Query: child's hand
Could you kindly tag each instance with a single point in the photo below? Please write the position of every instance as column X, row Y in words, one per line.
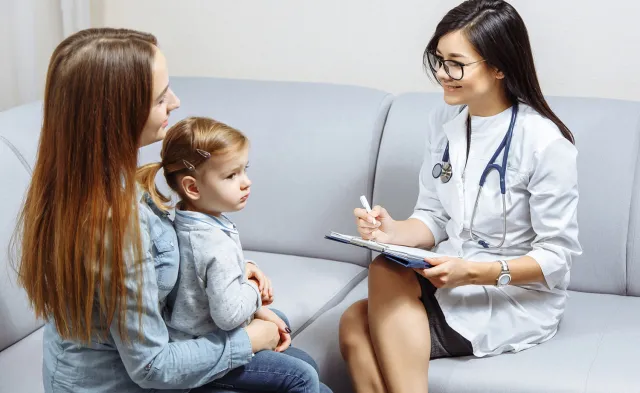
column 285, row 333
column 264, row 335
column 264, row 283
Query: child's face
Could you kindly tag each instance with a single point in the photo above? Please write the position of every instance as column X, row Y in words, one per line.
column 223, row 184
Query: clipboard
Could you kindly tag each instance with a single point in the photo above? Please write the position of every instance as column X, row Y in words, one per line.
column 405, row 256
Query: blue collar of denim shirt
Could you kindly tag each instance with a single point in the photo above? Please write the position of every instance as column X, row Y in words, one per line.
column 143, row 196
column 190, row 217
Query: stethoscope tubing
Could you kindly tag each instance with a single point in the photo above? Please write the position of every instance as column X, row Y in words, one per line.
column 443, row 171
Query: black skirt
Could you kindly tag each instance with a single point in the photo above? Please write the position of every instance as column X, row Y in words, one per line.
column 445, row 342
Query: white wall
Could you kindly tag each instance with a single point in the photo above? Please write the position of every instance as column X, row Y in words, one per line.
column 582, row 47
column 29, row 32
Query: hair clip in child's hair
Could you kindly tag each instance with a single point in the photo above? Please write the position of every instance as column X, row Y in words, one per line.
column 188, row 165
column 203, row 153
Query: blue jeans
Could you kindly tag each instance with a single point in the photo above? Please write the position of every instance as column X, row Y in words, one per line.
column 292, row 371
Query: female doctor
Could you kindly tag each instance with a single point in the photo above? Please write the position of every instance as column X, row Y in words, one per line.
column 498, row 196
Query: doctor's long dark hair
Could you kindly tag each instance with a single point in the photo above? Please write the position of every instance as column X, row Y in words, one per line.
column 500, row 36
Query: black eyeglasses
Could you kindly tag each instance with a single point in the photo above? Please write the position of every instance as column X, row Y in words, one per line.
column 454, row 69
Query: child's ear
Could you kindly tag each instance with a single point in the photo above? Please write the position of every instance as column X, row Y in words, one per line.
column 499, row 74
column 190, row 188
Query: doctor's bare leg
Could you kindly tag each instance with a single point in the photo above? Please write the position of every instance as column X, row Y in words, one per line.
column 398, row 329
column 357, row 349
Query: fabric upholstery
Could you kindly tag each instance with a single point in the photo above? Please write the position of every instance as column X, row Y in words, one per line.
column 306, row 287
column 21, row 365
column 313, row 152
column 16, row 317
column 593, row 351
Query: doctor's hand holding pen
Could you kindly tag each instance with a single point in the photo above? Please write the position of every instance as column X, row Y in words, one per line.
column 374, row 224
column 446, row 272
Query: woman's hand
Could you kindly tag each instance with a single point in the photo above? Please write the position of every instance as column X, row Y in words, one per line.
column 263, row 335
column 285, row 333
column 253, row 272
column 382, row 231
column 447, row 272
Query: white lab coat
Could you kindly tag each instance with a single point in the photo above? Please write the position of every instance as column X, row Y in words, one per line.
column 541, row 200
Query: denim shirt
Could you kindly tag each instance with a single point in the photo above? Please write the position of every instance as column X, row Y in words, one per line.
column 213, row 293
column 150, row 362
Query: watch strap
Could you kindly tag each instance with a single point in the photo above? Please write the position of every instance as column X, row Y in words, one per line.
column 505, row 266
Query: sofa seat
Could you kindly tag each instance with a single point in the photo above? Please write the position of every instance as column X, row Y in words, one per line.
column 594, row 351
column 304, row 288
column 21, row 365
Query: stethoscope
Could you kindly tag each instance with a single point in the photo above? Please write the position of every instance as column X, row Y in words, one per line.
column 444, row 172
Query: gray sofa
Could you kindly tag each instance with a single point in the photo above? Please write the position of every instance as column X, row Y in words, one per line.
column 315, row 149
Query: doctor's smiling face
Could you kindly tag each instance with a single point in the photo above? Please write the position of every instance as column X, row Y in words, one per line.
column 481, row 55
column 465, row 76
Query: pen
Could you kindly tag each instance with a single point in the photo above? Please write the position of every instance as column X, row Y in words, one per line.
column 365, row 204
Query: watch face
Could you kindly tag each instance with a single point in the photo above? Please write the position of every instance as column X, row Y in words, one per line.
column 504, row 279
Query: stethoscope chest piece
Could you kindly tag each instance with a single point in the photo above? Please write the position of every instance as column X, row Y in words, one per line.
column 442, row 171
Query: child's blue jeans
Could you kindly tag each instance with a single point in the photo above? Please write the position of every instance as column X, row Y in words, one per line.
column 292, row 371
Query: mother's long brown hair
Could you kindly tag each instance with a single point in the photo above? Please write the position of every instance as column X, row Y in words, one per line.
column 78, row 229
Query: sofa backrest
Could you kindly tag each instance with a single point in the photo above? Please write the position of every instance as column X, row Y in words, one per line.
column 313, row 153
column 633, row 237
column 20, row 126
column 331, row 135
column 607, row 137
column 607, row 134
column 16, row 318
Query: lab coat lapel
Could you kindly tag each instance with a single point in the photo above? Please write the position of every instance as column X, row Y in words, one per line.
column 456, row 130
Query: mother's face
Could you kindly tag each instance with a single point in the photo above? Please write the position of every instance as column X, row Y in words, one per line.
column 163, row 102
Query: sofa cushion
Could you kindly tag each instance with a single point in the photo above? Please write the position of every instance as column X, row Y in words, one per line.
column 21, row 365
column 402, row 152
column 20, row 126
column 595, row 351
column 306, row 287
column 320, row 340
column 607, row 136
column 606, row 130
column 313, row 152
column 633, row 238
column 16, row 317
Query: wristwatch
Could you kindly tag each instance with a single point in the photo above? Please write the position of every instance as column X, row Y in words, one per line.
column 505, row 275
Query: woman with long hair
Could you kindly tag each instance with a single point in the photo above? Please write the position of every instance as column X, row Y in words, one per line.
column 97, row 257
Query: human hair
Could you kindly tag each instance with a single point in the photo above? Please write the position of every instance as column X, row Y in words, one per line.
column 78, row 229
column 499, row 35
column 188, row 144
